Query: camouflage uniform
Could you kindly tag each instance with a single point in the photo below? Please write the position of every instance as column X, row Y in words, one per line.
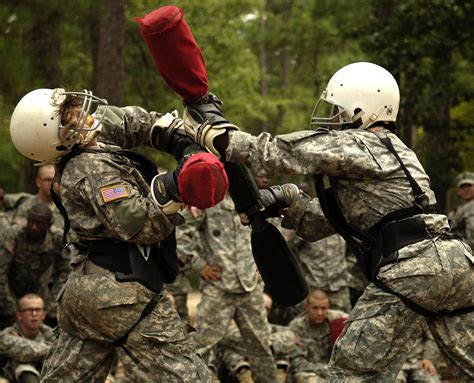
column 314, row 345
column 24, row 354
column 225, row 243
column 21, row 211
column 234, row 356
column 424, row 348
column 324, row 264
column 94, row 309
column 368, row 183
column 463, row 220
column 40, row 268
column 181, row 286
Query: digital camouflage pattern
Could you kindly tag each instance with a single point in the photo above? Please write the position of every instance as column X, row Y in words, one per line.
column 20, row 212
column 224, row 242
column 94, row 309
column 424, row 348
column 325, row 268
column 24, row 353
column 313, row 344
column 38, row 267
column 234, row 356
column 181, row 286
column 463, row 220
column 369, row 183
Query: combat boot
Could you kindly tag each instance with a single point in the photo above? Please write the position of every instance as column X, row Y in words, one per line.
column 244, row 375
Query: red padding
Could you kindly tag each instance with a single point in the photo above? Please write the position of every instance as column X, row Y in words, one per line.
column 336, row 326
column 202, row 181
column 175, row 52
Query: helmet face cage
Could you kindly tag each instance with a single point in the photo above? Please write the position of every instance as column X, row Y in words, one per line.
column 89, row 101
column 337, row 116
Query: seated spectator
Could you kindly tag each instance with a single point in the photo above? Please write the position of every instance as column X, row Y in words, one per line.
column 324, row 264
column 232, row 354
column 43, row 181
column 420, row 365
column 38, row 262
column 316, row 332
column 26, row 343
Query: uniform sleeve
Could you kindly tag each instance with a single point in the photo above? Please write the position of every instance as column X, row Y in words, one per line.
column 21, row 349
column 127, row 127
column 62, row 266
column 123, row 207
column 306, row 218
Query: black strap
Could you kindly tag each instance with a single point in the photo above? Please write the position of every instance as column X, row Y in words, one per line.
column 354, row 237
column 146, row 311
column 421, row 310
column 144, row 165
column 421, row 199
column 60, row 165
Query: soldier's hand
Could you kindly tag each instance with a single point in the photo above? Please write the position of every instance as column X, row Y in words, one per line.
column 277, row 199
column 206, row 125
column 165, row 192
column 211, row 273
column 168, row 135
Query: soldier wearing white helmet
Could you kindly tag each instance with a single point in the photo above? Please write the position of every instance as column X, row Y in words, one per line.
column 381, row 202
column 123, row 215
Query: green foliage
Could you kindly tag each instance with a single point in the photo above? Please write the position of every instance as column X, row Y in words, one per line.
column 290, row 46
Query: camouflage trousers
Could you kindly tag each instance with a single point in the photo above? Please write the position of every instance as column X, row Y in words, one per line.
column 94, row 311
column 218, row 308
column 381, row 329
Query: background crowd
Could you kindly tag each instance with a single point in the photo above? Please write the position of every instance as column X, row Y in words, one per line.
column 242, row 335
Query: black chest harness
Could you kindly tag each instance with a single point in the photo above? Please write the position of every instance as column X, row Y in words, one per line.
column 379, row 245
column 161, row 264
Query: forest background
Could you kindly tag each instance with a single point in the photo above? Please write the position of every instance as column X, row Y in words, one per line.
column 268, row 60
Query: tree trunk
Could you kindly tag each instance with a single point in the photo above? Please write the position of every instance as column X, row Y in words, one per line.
column 42, row 46
column 263, row 61
column 109, row 63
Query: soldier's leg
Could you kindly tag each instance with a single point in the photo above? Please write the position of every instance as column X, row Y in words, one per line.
column 374, row 343
column 455, row 339
column 455, row 334
column 251, row 320
column 214, row 313
column 75, row 360
column 158, row 349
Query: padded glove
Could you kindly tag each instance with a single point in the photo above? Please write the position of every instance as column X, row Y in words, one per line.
column 168, row 135
column 204, row 121
column 277, row 198
column 165, row 192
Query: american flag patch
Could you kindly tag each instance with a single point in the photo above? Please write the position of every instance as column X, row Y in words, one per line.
column 114, row 192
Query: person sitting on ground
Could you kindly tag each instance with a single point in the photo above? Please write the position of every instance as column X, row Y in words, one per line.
column 26, row 343
column 316, row 332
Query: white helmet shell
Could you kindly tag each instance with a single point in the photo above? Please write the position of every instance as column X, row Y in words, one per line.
column 360, row 90
column 34, row 125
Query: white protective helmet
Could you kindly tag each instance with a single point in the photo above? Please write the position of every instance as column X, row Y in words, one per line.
column 36, row 129
column 361, row 90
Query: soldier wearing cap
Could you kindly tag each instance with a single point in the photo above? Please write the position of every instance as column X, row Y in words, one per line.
column 463, row 216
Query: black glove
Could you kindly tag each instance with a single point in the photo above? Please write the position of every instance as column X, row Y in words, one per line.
column 206, row 125
column 277, row 198
column 168, row 135
column 165, row 191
